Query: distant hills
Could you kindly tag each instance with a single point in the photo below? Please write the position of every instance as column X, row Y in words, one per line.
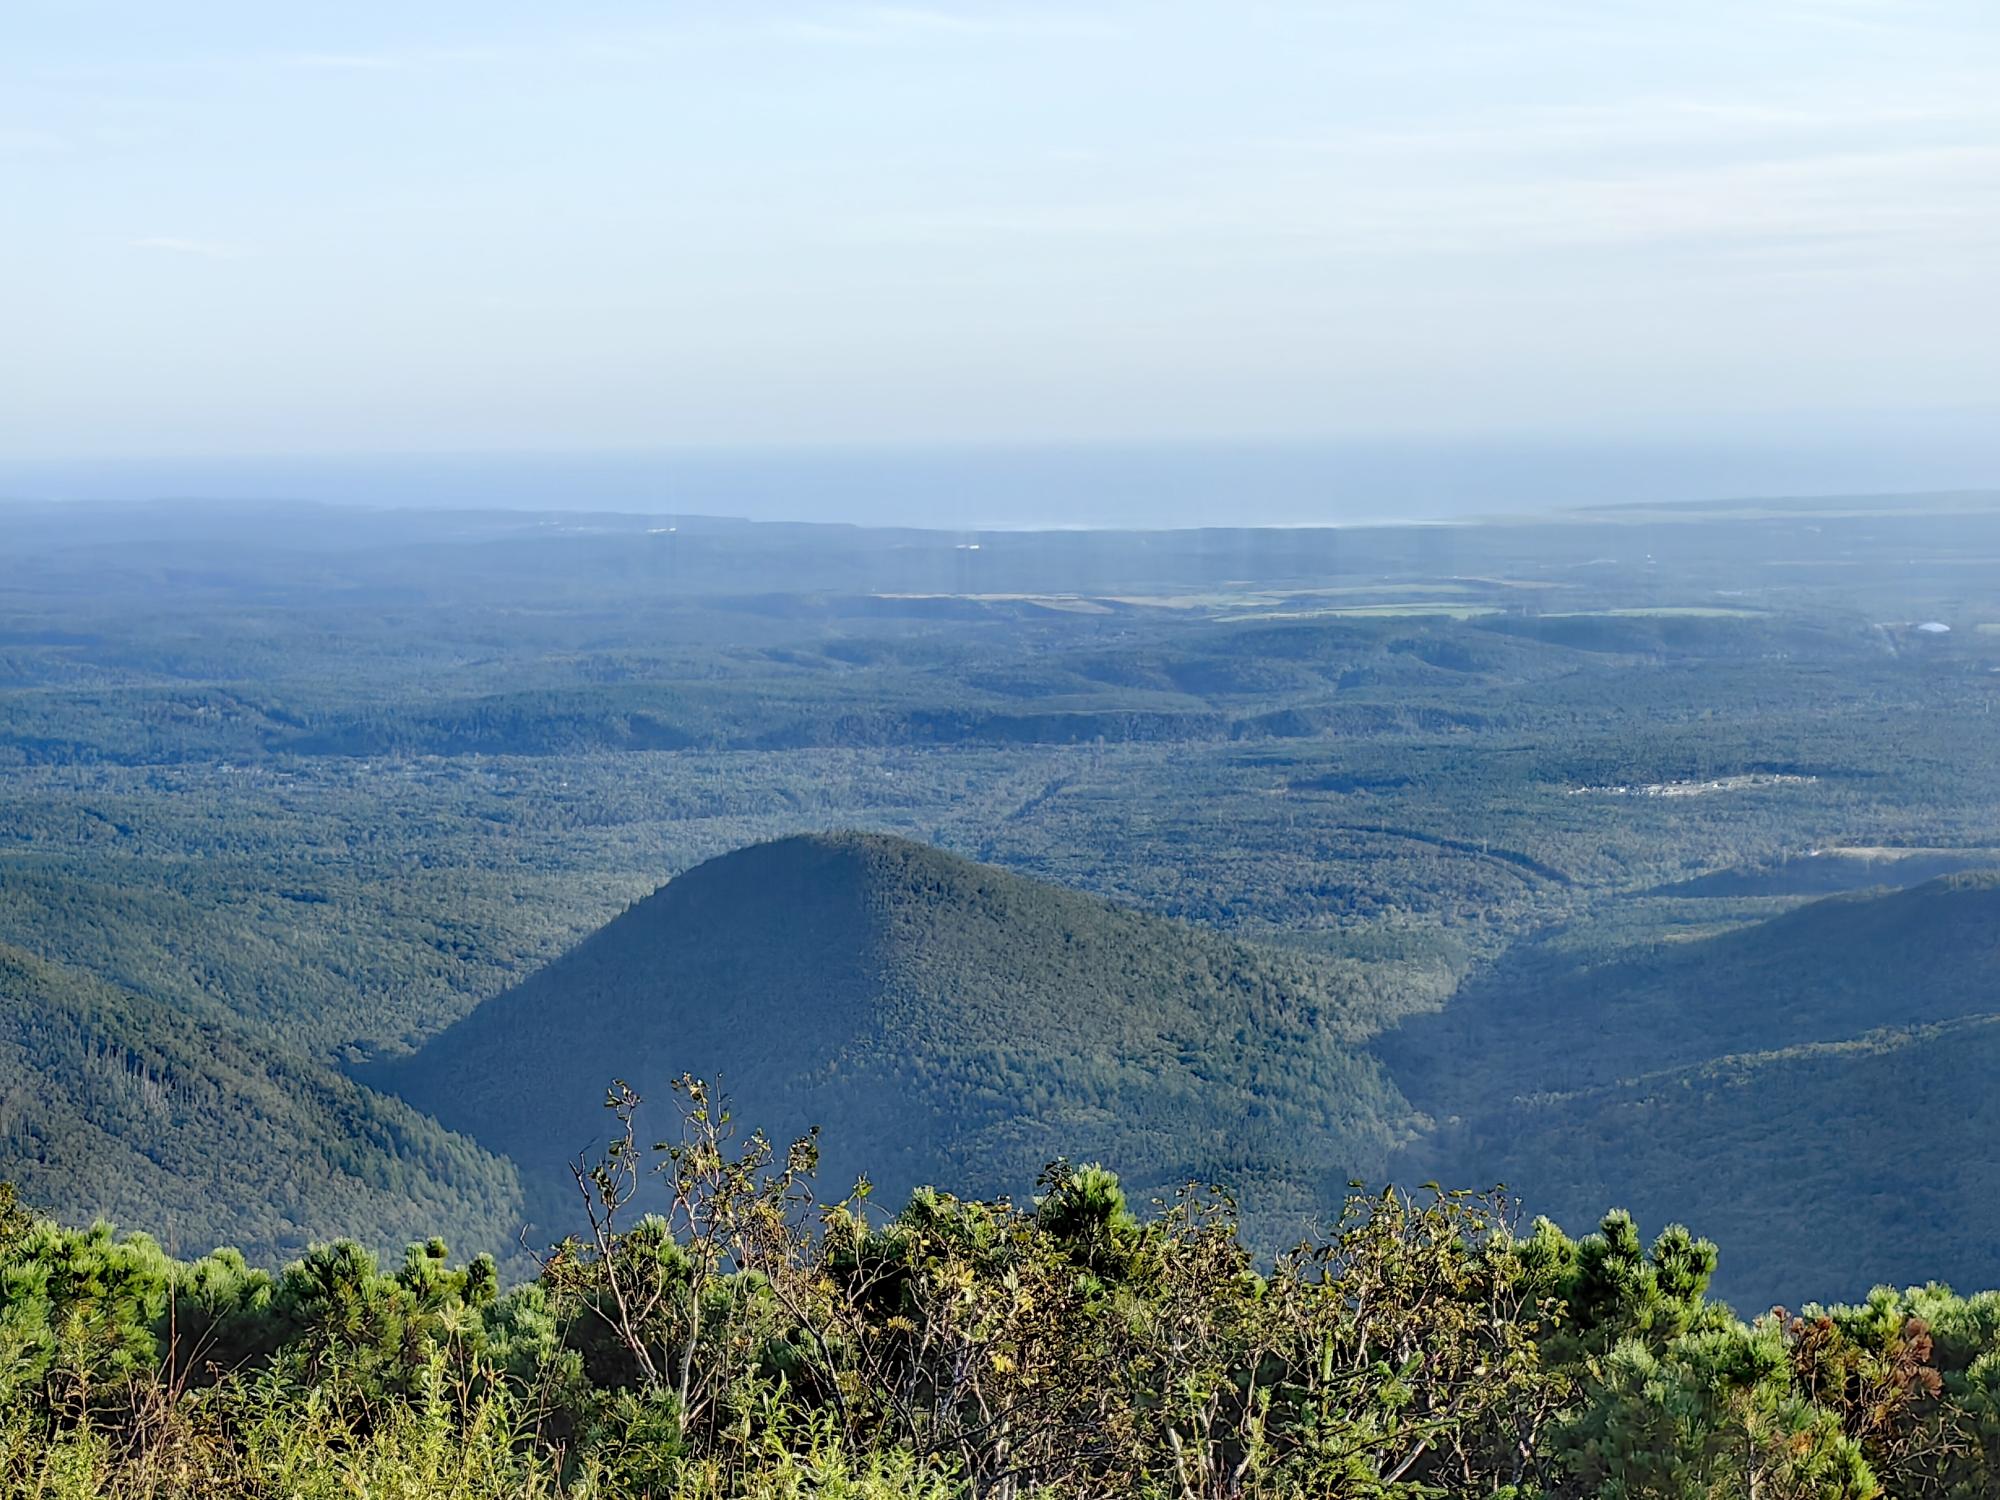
column 1814, row 1090
column 943, row 1021
column 113, row 1105
column 295, row 802
column 1811, row 1088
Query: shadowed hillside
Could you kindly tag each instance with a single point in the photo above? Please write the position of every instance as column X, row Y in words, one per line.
column 1548, row 1020
column 114, row 1106
column 1825, row 1169
column 942, row 1020
column 1815, row 1087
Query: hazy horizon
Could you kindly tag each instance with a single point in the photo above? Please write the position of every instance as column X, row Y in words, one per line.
column 1032, row 486
column 1473, row 257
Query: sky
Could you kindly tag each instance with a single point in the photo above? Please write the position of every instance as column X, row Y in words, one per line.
column 481, row 227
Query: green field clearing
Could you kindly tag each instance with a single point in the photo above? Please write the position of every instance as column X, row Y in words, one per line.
column 1662, row 612
column 1457, row 610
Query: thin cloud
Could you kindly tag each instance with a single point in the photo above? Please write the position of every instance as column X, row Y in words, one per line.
column 347, row 62
column 1913, row 204
column 1660, row 123
column 879, row 25
column 31, row 142
column 171, row 244
column 856, row 25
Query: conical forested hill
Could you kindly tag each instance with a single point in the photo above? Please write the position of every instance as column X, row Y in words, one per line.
column 942, row 1020
column 116, row 1106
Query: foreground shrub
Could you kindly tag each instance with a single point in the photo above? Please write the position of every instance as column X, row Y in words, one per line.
column 721, row 1333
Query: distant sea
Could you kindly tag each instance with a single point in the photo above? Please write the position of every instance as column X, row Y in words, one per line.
column 994, row 487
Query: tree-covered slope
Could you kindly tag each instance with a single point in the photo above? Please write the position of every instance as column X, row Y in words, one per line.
column 115, row 1106
column 1817, row 1088
column 942, row 1020
column 1556, row 1019
column 1826, row 1169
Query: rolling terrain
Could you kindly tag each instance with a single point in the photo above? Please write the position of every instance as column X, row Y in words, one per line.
column 300, row 799
column 114, row 1106
column 941, row 1020
column 1814, row 1089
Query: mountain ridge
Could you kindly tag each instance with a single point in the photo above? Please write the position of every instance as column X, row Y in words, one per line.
column 1799, row 1086
column 115, row 1106
column 939, row 1018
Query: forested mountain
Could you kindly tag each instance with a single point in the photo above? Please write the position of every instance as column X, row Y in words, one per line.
column 117, row 1106
column 321, row 783
column 1555, row 1019
column 942, row 1020
column 1817, row 1086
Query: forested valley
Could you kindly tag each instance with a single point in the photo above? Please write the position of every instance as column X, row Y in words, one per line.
column 1148, row 921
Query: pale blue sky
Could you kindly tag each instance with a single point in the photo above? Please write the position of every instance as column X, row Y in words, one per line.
column 473, row 224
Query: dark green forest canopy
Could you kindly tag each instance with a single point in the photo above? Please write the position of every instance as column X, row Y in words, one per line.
column 943, row 1021
column 301, row 789
column 1810, row 1085
column 115, row 1106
